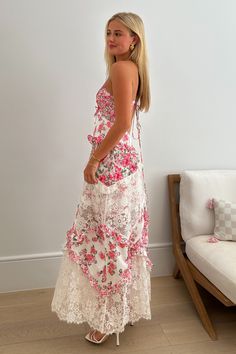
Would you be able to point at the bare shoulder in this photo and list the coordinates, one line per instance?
(124, 68)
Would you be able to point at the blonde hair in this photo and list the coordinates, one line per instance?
(138, 55)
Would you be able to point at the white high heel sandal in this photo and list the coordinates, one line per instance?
(91, 338)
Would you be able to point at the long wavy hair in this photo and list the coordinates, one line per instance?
(138, 55)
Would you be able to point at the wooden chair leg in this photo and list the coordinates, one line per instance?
(176, 272)
(193, 290)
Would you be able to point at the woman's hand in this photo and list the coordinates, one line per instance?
(89, 172)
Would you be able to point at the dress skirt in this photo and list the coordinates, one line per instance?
(104, 276)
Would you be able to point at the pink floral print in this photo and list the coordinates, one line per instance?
(111, 223)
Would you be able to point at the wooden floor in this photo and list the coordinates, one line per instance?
(27, 326)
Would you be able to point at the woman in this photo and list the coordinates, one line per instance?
(104, 278)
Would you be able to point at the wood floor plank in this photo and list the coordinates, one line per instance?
(206, 347)
(31, 330)
(26, 297)
(170, 291)
(185, 331)
(175, 312)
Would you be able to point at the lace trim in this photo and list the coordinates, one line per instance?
(75, 301)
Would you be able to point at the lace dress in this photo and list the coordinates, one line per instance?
(104, 276)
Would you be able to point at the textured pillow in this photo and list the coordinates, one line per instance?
(225, 219)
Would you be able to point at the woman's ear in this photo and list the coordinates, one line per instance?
(136, 39)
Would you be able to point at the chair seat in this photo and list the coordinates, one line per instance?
(217, 261)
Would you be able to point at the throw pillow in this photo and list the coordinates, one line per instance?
(225, 219)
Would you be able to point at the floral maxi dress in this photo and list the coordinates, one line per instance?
(104, 276)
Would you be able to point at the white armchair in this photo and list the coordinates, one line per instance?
(212, 265)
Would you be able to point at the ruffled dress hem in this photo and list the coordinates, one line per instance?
(75, 301)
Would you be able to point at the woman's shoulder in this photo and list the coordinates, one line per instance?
(124, 67)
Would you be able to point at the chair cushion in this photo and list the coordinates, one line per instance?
(217, 261)
(196, 188)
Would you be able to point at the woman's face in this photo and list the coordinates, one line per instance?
(118, 40)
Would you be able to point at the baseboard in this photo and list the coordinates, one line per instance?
(37, 271)
(162, 258)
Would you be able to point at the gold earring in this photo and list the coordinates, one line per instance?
(131, 46)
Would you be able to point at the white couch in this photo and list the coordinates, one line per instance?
(217, 261)
(198, 261)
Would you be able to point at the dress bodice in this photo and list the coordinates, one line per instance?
(124, 158)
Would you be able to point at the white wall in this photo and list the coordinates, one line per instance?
(51, 65)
